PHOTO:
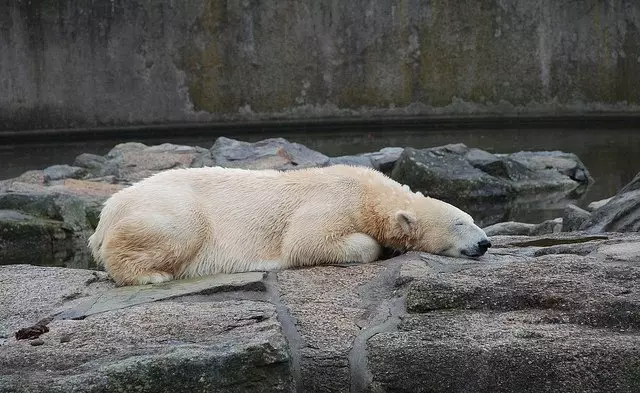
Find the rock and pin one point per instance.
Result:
(92, 162)
(515, 322)
(573, 218)
(197, 341)
(132, 162)
(513, 228)
(58, 172)
(558, 312)
(382, 160)
(385, 159)
(598, 204)
(24, 237)
(36, 342)
(548, 226)
(274, 153)
(567, 164)
(472, 179)
(509, 228)
(620, 214)
(352, 160)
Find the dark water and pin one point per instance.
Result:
(612, 156)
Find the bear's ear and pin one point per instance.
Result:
(406, 220)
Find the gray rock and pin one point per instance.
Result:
(385, 159)
(519, 320)
(92, 162)
(131, 162)
(274, 153)
(128, 296)
(567, 164)
(598, 204)
(488, 186)
(27, 238)
(546, 227)
(620, 214)
(457, 173)
(352, 160)
(573, 218)
(509, 228)
(198, 342)
(58, 172)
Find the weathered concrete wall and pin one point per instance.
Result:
(115, 62)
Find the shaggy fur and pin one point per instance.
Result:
(185, 223)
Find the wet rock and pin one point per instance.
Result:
(470, 177)
(58, 172)
(196, 341)
(274, 153)
(620, 214)
(573, 218)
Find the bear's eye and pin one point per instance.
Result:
(459, 223)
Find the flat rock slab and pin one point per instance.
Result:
(180, 336)
(123, 297)
(558, 313)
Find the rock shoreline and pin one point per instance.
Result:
(59, 205)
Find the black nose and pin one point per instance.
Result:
(484, 245)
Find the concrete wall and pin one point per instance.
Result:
(72, 63)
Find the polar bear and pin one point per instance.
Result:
(184, 223)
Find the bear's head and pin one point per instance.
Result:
(433, 226)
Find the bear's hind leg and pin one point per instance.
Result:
(142, 256)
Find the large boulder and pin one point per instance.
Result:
(131, 162)
(619, 214)
(273, 153)
(469, 177)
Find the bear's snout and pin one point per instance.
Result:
(483, 246)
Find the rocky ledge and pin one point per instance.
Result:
(46, 215)
(557, 313)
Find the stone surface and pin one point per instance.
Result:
(509, 228)
(141, 62)
(274, 153)
(559, 312)
(620, 214)
(598, 204)
(542, 315)
(124, 297)
(471, 179)
(192, 343)
(458, 173)
(58, 172)
(548, 226)
(573, 218)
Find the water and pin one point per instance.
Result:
(612, 156)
